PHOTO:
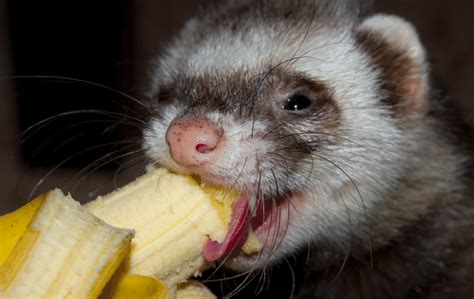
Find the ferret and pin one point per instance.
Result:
(325, 119)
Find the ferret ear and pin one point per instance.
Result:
(396, 52)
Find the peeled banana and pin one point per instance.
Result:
(170, 230)
(148, 235)
(64, 251)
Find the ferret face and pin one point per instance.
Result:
(293, 108)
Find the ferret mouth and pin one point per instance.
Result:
(267, 220)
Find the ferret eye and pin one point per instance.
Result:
(297, 102)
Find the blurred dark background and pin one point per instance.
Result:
(64, 70)
(57, 57)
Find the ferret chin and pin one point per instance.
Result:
(325, 120)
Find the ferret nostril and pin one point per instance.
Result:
(204, 148)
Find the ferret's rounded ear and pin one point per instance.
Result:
(396, 52)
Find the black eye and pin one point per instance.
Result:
(297, 102)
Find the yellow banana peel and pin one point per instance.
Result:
(13, 225)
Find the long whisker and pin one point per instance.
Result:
(293, 278)
(102, 161)
(262, 281)
(134, 161)
(359, 195)
(69, 140)
(83, 81)
(249, 277)
(321, 134)
(344, 262)
(307, 31)
(41, 181)
(39, 125)
(276, 208)
(221, 264)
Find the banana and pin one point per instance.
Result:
(64, 251)
(57, 249)
(138, 286)
(173, 218)
(252, 244)
(144, 287)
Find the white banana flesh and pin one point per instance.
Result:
(173, 218)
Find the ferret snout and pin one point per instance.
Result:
(193, 141)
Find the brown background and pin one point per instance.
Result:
(445, 28)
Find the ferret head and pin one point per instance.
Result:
(307, 108)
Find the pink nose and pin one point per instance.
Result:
(192, 141)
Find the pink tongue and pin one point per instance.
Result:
(238, 230)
